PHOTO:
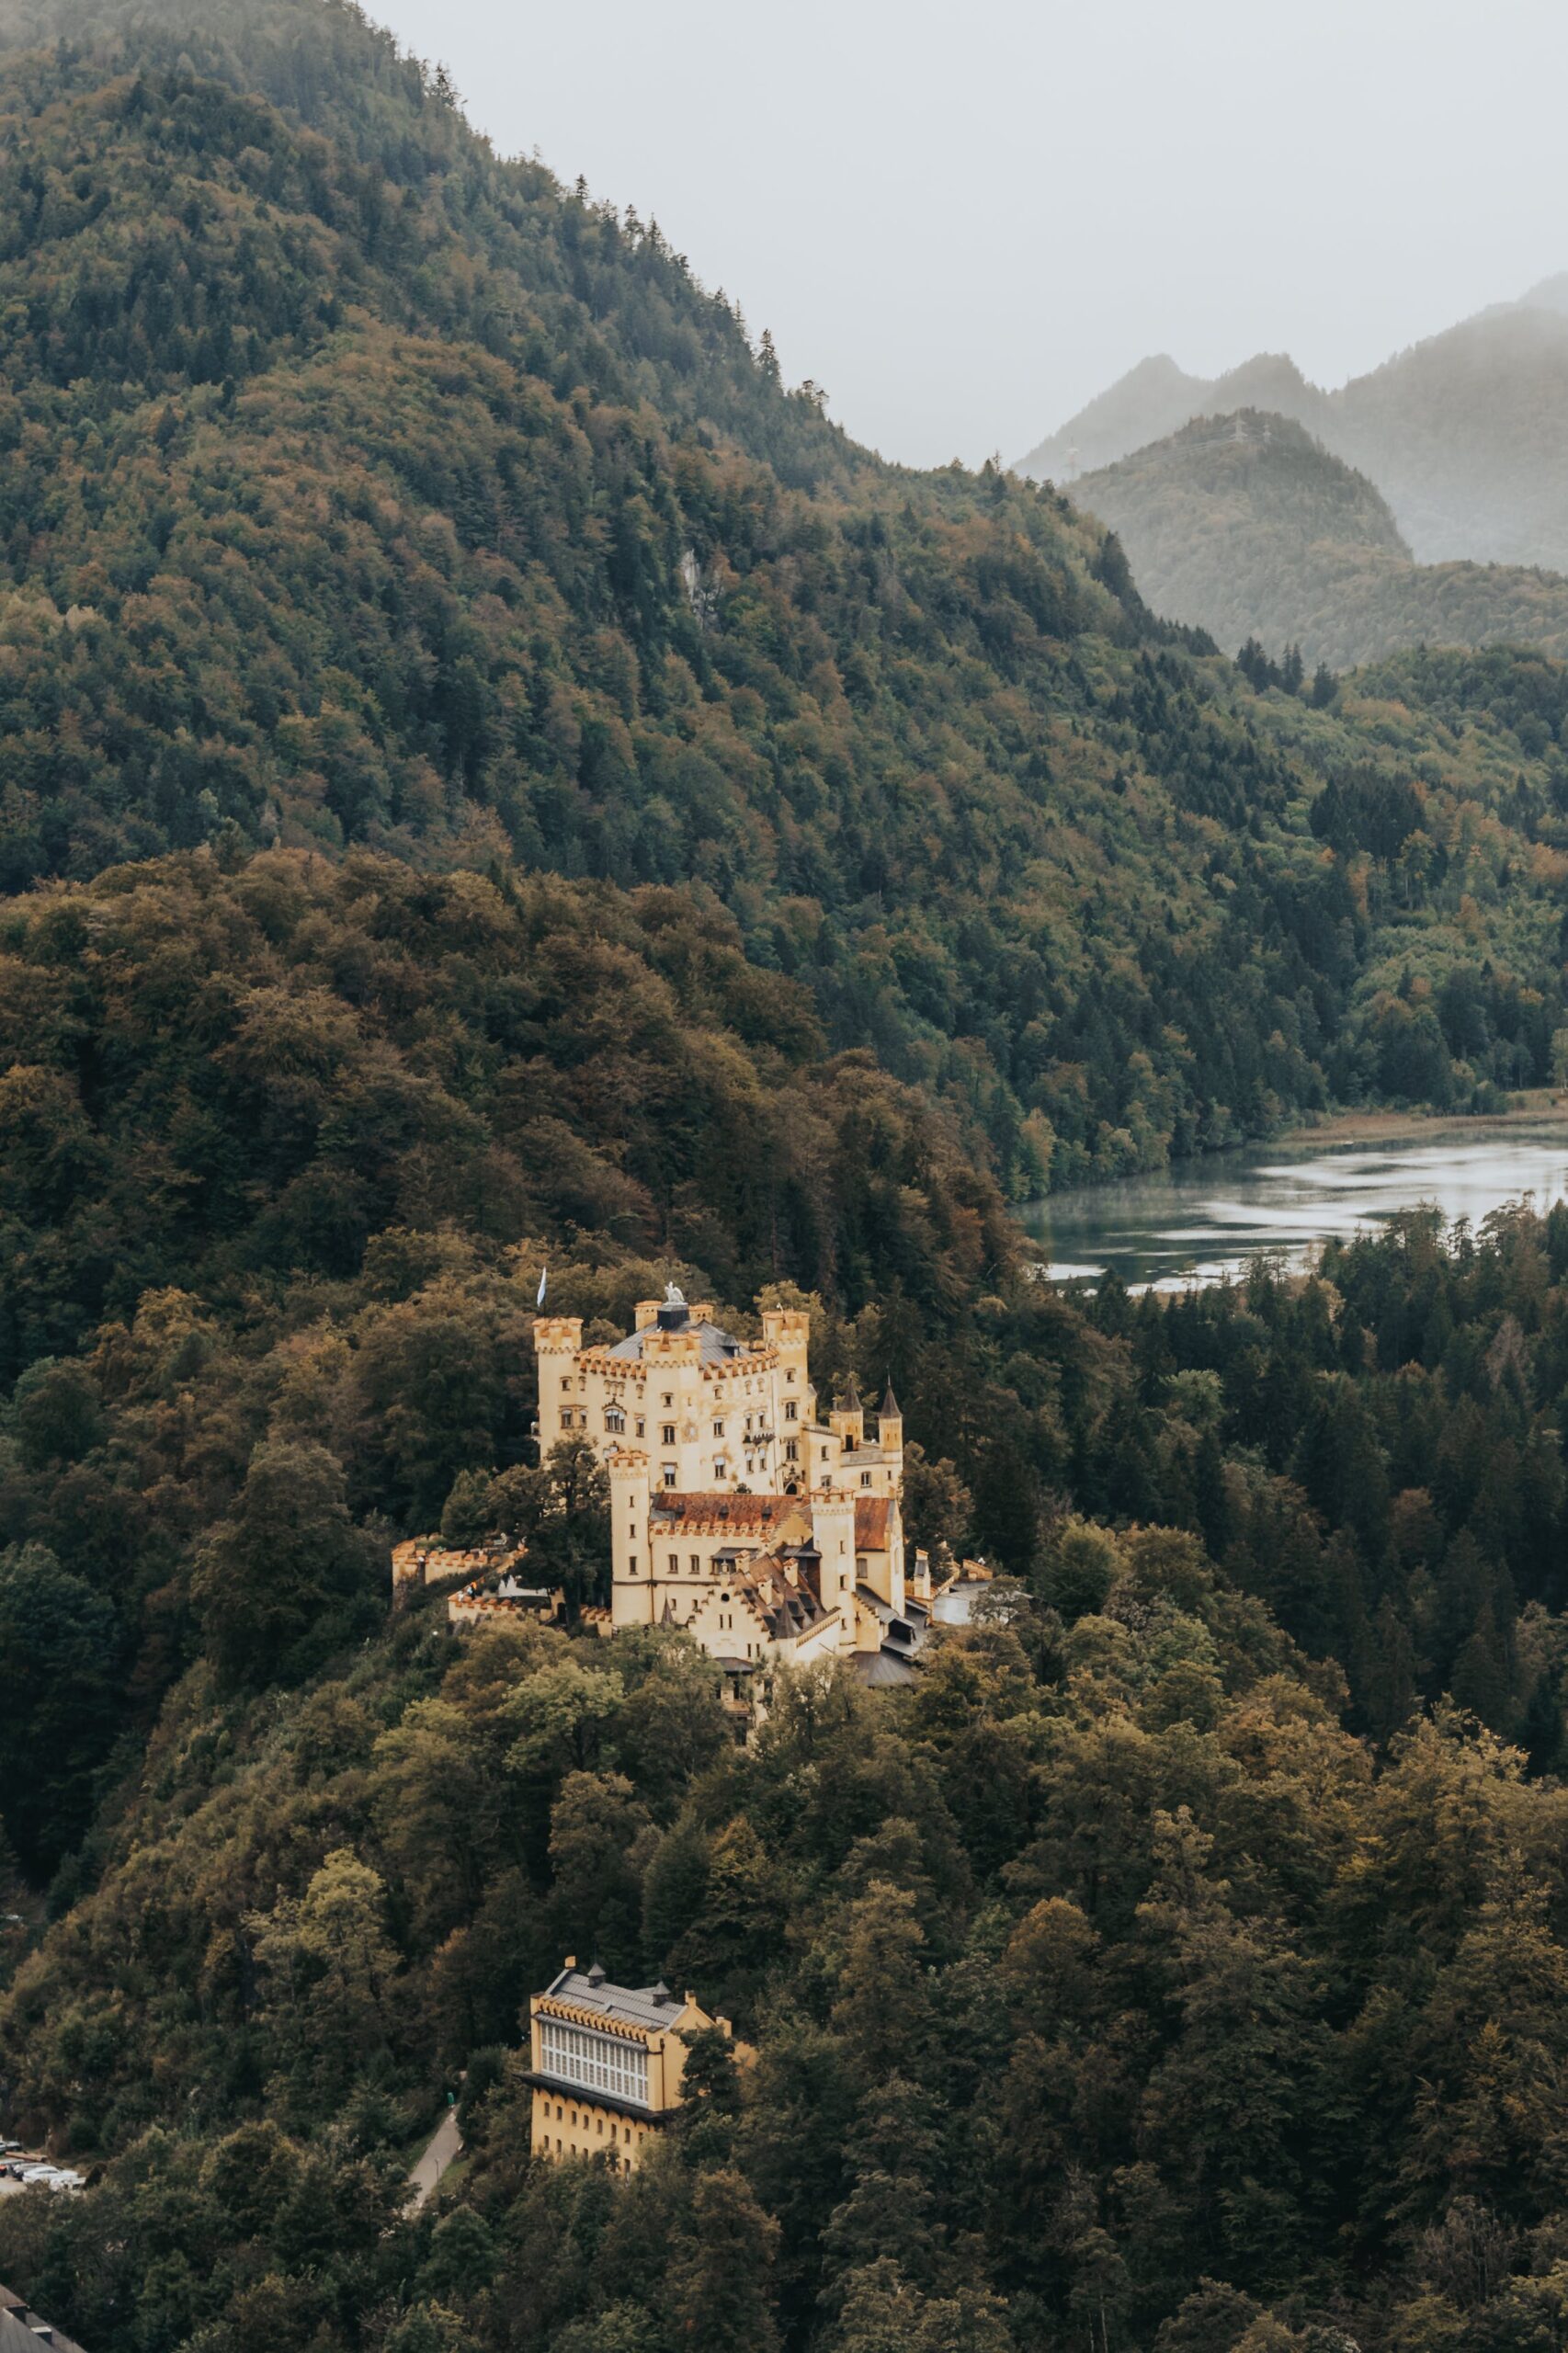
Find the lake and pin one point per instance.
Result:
(1205, 1222)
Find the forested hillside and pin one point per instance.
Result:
(492, 778)
(1246, 526)
(1144, 1964)
(362, 490)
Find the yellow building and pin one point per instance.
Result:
(606, 2064)
(738, 1512)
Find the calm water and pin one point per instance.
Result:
(1200, 1224)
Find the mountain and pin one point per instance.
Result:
(365, 491)
(1464, 433)
(1245, 526)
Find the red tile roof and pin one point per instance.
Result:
(756, 1518)
(871, 1523)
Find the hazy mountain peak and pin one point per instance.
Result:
(1549, 294)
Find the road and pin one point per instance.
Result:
(445, 2145)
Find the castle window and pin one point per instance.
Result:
(717, 1469)
(696, 1563)
(791, 1450)
(666, 1398)
(566, 1381)
(669, 1475)
(631, 1564)
(789, 1373)
(667, 1434)
(675, 1565)
(601, 2063)
(865, 1478)
(641, 1427)
(718, 1429)
(790, 1410)
(614, 1418)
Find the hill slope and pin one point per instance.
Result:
(1244, 525)
(1462, 433)
(361, 490)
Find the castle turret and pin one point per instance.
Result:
(847, 1419)
(557, 1339)
(631, 1555)
(833, 1534)
(788, 1330)
(890, 1437)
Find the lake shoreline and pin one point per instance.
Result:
(1530, 1108)
(1204, 1220)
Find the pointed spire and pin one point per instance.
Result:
(890, 1403)
(850, 1402)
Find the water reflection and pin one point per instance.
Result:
(1202, 1224)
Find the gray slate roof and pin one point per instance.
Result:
(633, 2005)
(22, 2331)
(715, 1346)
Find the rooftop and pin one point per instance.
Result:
(728, 1513)
(642, 2006)
(21, 2330)
(715, 1345)
(870, 1523)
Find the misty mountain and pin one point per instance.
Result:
(1465, 434)
(1245, 526)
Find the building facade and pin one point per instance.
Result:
(606, 2064)
(738, 1511)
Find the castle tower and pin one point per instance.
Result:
(890, 1437)
(632, 1594)
(788, 1330)
(557, 1339)
(847, 1419)
(833, 1534)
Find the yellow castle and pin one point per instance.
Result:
(606, 2064)
(737, 1511)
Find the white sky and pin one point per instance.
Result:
(964, 221)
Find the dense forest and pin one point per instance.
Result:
(362, 490)
(1244, 525)
(490, 777)
(1180, 1964)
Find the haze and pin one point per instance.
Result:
(965, 223)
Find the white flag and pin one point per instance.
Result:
(543, 1284)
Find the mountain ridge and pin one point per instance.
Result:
(1246, 526)
(1458, 431)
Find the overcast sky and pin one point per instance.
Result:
(965, 220)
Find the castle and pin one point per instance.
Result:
(606, 2064)
(737, 1513)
